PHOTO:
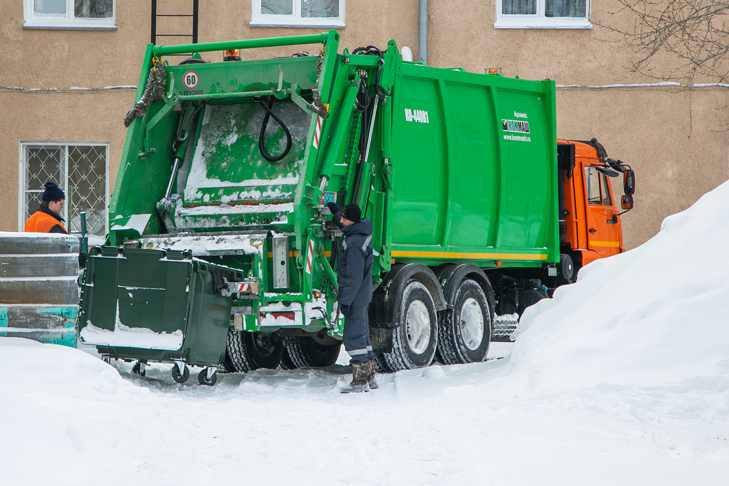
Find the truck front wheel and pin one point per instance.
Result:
(465, 332)
(416, 338)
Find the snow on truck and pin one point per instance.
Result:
(221, 251)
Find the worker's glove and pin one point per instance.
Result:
(334, 208)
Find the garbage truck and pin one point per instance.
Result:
(221, 252)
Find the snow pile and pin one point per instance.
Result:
(652, 316)
(52, 367)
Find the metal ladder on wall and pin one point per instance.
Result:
(193, 16)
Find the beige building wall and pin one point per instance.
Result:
(674, 138)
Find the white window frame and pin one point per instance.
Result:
(64, 175)
(540, 21)
(259, 19)
(67, 21)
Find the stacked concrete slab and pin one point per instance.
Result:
(38, 289)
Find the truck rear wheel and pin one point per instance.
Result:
(247, 351)
(416, 338)
(306, 352)
(465, 333)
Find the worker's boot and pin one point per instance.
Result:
(372, 371)
(360, 374)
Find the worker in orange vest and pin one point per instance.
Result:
(48, 217)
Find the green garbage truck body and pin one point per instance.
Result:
(221, 251)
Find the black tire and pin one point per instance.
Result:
(202, 378)
(306, 352)
(247, 351)
(180, 378)
(567, 269)
(414, 343)
(529, 297)
(286, 363)
(138, 370)
(381, 362)
(464, 333)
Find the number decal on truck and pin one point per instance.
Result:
(416, 116)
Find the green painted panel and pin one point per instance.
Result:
(482, 174)
(419, 169)
(244, 76)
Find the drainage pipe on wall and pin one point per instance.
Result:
(423, 31)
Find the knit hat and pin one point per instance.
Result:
(53, 192)
(353, 213)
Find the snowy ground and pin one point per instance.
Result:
(70, 419)
(622, 378)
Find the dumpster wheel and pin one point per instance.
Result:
(208, 376)
(180, 372)
(139, 368)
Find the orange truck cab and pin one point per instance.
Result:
(590, 211)
(590, 219)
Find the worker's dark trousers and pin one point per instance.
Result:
(357, 334)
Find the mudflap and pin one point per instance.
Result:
(154, 305)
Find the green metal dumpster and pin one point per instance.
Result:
(156, 305)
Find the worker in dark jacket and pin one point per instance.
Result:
(354, 270)
(48, 217)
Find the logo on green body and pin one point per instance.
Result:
(516, 130)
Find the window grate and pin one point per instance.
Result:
(80, 170)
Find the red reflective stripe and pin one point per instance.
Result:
(317, 133)
(309, 256)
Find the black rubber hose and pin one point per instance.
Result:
(262, 135)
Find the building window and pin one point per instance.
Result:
(70, 14)
(79, 169)
(543, 14)
(298, 13)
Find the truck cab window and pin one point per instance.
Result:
(605, 191)
(592, 185)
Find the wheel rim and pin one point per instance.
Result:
(264, 344)
(471, 320)
(417, 325)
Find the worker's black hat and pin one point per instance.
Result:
(353, 213)
(53, 192)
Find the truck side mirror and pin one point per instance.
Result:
(629, 182)
(626, 202)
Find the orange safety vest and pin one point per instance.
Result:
(43, 222)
